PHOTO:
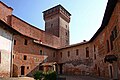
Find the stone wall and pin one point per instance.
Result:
(5, 52)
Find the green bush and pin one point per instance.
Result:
(38, 75)
(50, 75)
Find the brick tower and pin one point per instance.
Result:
(57, 23)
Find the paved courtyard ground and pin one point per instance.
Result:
(19, 78)
(73, 77)
(83, 78)
(68, 77)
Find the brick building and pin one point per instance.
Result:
(6, 38)
(34, 47)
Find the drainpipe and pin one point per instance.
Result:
(11, 63)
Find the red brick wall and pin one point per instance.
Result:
(32, 51)
(34, 32)
(31, 63)
(5, 13)
(101, 44)
(27, 29)
(76, 64)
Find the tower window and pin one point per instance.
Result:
(66, 26)
(66, 34)
(25, 43)
(25, 57)
(87, 51)
(53, 54)
(77, 52)
(68, 53)
(94, 56)
(61, 54)
(94, 48)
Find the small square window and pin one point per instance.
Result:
(28, 67)
(25, 57)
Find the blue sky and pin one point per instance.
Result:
(86, 16)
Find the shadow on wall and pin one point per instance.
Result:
(30, 74)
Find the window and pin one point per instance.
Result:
(13, 57)
(113, 36)
(96, 66)
(67, 42)
(51, 25)
(25, 43)
(77, 52)
(25, 57)
(28, 67)
(68, 53)
(66, 26)
(14, 42)
(114, 32)
(108, 49)
(40, 52)
(66, 34)
(94, 56)
(87, 51)
(61, 54)
(94, 48)
(111, 42)
(53, 54)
